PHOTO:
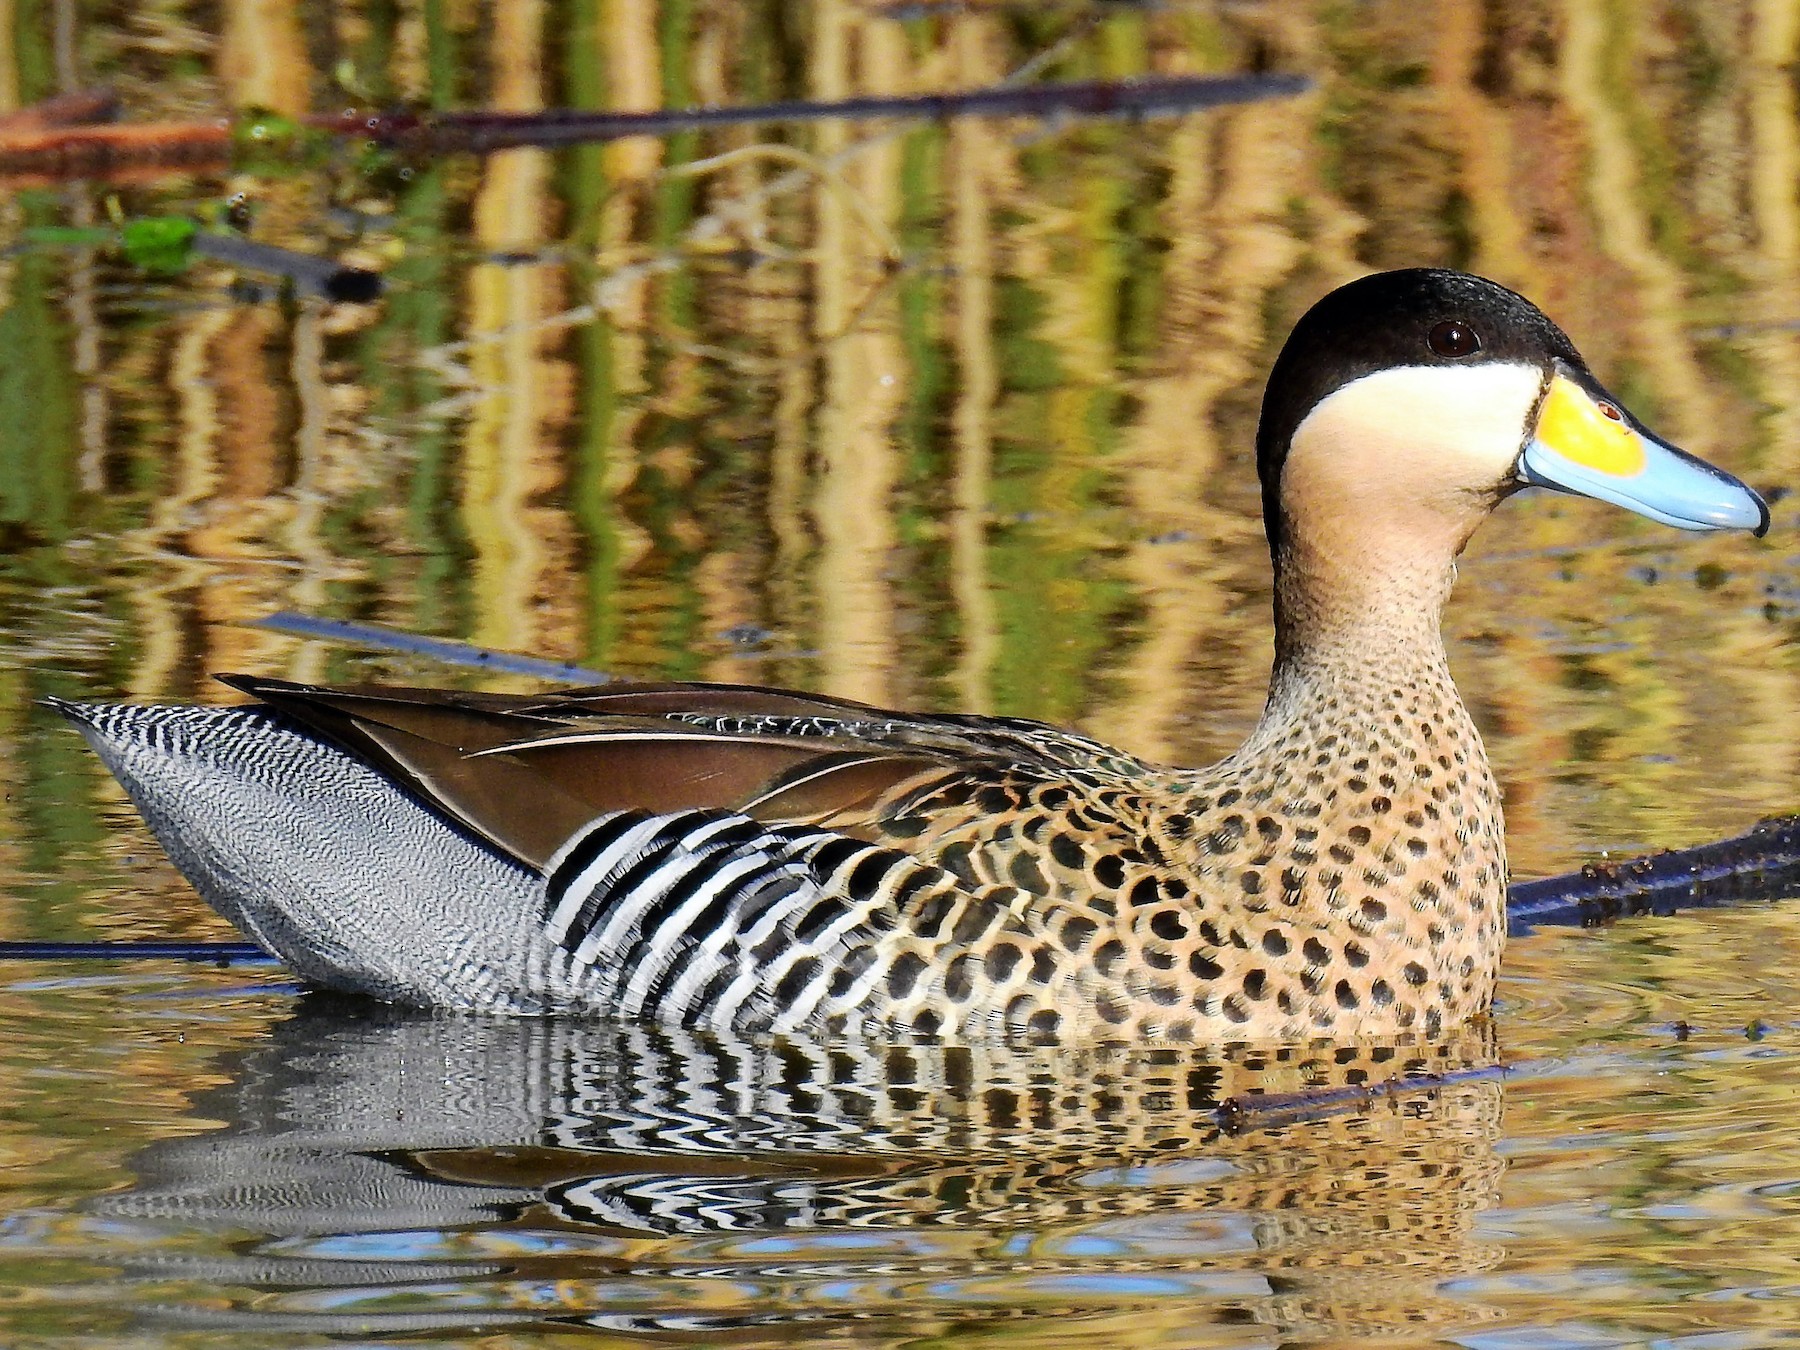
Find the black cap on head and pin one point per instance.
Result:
(1419, 316)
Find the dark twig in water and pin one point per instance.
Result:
(1261, 1111)
(1759, 865)
(59, 141)
(215, 953)
(480, 132)
(310, 273)
(127, 152)
(350, 634)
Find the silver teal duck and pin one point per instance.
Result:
(767, 860)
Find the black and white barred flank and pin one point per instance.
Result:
(712, 918)
(702, 917)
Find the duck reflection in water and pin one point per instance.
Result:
(399, 1171)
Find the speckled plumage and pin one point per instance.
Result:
(752, 859)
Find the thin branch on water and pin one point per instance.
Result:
(1757, 865)
(347, 633)
(211, 953)
(310, 273)
(126, 152)
(482, 132)
(65, 139)
(1262, 1111)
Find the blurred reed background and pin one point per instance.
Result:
(951, 415)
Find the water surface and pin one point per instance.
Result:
(943, 415)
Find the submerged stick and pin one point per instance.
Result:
(310, 273)
(351, 634)
(215, 953)
(481, 132)
(1762, 863)
(121, 152)
(1263, 1111)
(57, 142)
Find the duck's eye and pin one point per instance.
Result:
(1452, 337)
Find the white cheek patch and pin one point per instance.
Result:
(1417, 431)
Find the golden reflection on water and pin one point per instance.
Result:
(675, 1182)
(955, 416)
(950, 415)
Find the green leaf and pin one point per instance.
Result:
(159, 244)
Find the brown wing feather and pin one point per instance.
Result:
(503, 767)
(478, 721)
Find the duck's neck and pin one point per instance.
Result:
(1385, 822)
(1362, 629)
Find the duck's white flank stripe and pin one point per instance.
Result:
(751, 980)
(673, 931)
(625, 908)
(626, 846)
(704, 964)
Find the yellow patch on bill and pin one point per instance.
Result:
(1578, 429)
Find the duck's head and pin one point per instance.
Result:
(1406, 404)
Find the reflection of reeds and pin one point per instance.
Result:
(1222, 262)
(972, 154)
(9, 64)
(1011, 474)
(205, 549)
(84, 357)
(623, 66)
(1771, 700)
(1773, 169)
(161, 546)
(263, 59)
(510, 468)
(853, 503)
(314, 448)
(1499, 231)
(1596, 90)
